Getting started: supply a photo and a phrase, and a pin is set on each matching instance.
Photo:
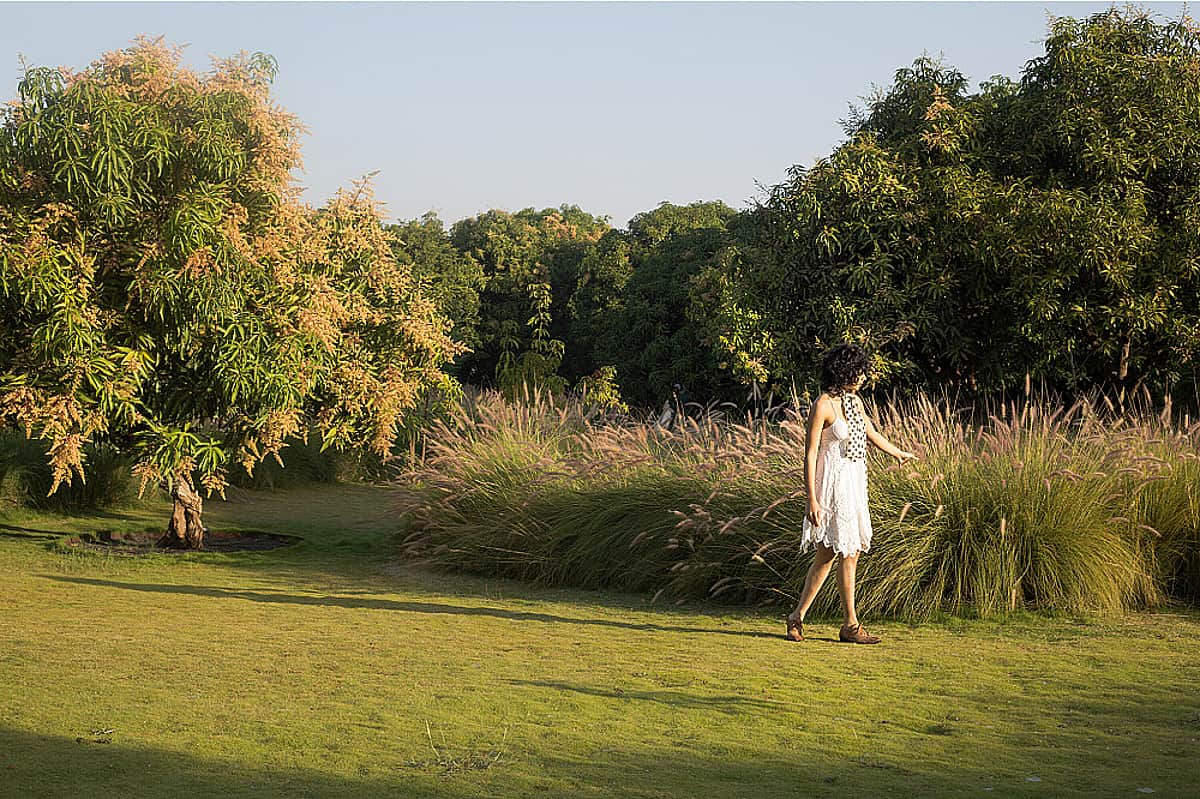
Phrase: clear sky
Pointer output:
(614, 107)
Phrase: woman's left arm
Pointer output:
(880, 440)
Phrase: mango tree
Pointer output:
(163, 289)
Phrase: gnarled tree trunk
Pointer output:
(185, 530)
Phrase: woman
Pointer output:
(835, 469)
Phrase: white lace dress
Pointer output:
(841, 485)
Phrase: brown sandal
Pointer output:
(795, 629)
(855, 634)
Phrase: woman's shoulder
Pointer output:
(822, 404)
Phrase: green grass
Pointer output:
(327, 669)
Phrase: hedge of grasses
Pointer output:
(1029, 504)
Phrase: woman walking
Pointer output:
(835, 467)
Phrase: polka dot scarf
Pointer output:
(855, 446)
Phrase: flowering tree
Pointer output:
(163, 289)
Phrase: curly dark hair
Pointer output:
(841, 365)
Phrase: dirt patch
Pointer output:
(142, 543)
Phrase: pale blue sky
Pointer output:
(614, 107)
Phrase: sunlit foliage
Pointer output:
(163, 289)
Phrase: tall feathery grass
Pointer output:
(1020, 505)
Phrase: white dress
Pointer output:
(841, 486)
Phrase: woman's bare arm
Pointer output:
(820, 413)
(880, 440)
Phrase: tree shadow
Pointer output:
(667, 763)
(21, 531)
(25, 531)
(408, 606)
(37, 766)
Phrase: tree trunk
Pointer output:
(185, 530)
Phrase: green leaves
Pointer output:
(1044, 226)
(39, 86)
(530, 264)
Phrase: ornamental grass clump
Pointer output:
(1020, 510)
(538, 490)
(1168, 504)
(1022, 505)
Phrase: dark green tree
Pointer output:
(1046, 226)
(653, 328)
(530, 262)
(449, 277)
(596, 301)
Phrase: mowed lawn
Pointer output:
(328, 669)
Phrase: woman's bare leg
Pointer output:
(813, 581)
(845, 578)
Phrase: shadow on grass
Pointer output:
(407, 606)
(91, 515)
(49, 767)
(38, 766)
(20, 531)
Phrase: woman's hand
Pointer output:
(904, 457)
(815, 514)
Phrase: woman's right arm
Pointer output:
(817, 416)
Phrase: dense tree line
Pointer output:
(556, 296)
(1047, 226)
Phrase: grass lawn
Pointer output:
(327, 669)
